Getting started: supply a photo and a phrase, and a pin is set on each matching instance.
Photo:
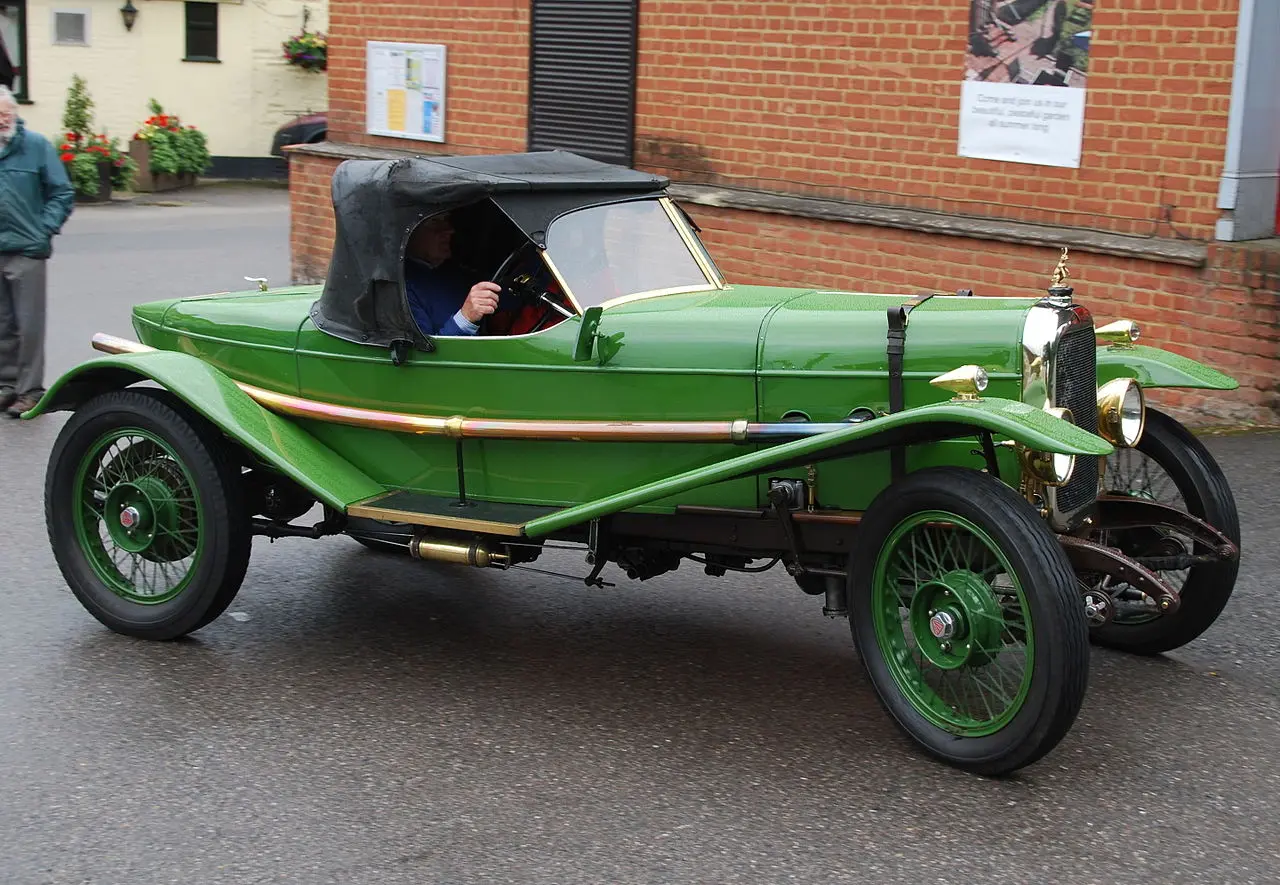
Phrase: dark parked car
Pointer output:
(307, 129)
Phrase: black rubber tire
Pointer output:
(1061, 656)
(1207, 494)
(228, 538)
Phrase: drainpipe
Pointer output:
(1251, 175)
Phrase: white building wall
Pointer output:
(238, 101)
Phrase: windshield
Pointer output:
(608, 252)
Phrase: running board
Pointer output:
(416, 508)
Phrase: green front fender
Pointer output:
(285, 446)
(1153, 367)
(1034, 428)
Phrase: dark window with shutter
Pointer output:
(582, 75)
(202, 31)
(13, 34)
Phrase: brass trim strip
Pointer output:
(483, 526)
(459, 427)
(113, 344)
(682, 228)
(564, 284)
(654, 293)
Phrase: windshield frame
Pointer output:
(713, 280)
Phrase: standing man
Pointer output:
(36, 197)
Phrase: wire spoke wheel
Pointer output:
(1136, 473)
(953, 621)
(146, 514)
(965, 609)
(139, 517)
(1169, 466)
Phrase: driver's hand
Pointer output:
(481, 301)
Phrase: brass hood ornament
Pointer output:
(1060, 273)
(1059, 292)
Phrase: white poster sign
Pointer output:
(405, 90)
(1023, 96)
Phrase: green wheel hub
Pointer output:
(953, 623)
(955, 620)
(142, 510)
(138, 516)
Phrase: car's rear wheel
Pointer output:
(965, 611)
(1171, 467)
(145, 515)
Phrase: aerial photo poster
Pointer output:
(1022, 99)
(404, 90)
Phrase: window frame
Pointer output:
(201, 27)
(22, 61)
(85, 12)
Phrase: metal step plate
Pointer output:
(415, 508)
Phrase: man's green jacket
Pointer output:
(36, 195)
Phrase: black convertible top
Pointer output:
(378, 203)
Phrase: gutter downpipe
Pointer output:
(1247, 193)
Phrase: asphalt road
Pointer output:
(360, 718)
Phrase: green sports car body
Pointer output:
(959, 475)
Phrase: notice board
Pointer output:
(405, 90)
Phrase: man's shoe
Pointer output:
(7, 397)
(24, 403)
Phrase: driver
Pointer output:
(434, 283)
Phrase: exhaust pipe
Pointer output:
(477, 553)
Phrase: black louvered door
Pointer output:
(582, 75)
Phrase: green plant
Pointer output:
(308, 50)
(77, 116)
(175, 148)
(83, 151)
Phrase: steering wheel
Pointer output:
(505, 266)
(525, 288)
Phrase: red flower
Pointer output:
(67, 158)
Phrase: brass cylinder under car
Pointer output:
(475, 553)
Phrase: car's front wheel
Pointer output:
(1169, 466)
(965, 612)
(146, 515)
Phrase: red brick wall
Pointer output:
(852, 99)
(488, 63)
(310, 217)
(862, 99)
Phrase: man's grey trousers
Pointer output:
(22, 317)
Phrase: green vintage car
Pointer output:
(974, 482)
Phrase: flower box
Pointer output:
(105, 169)
(154, 182)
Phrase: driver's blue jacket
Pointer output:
(435, 297)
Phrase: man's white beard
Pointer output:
(6, 134)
